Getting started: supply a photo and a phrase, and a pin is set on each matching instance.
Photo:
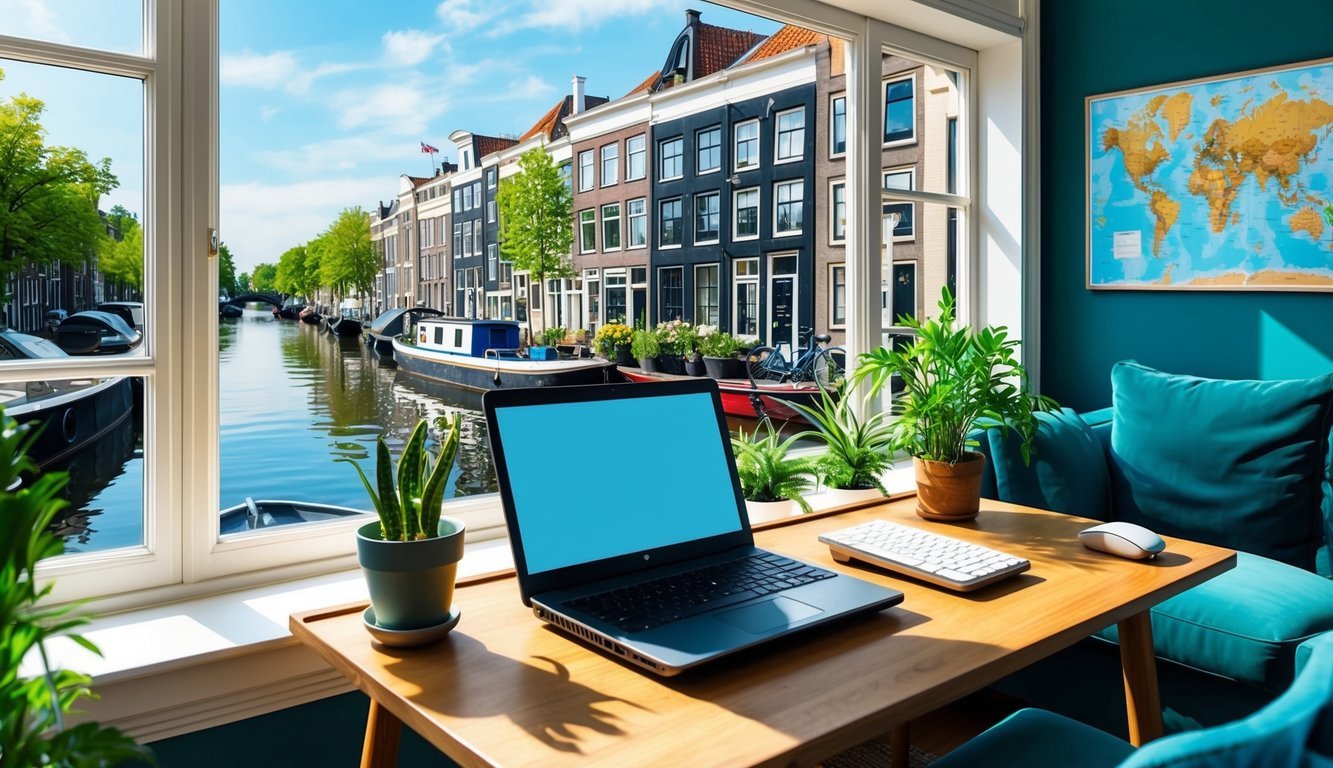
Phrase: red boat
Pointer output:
(741, 399)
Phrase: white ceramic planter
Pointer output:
(846, 497)
(763, 511)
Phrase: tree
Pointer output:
(48, 194)
(297, 273)
(346, 259)
(536, 220)
(120, 252)
(243, 282)
(226, 272)
(264, 278)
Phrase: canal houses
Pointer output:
(434, 204)
(470, 195)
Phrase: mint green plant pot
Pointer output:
(411, 582)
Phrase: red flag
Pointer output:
(427, 149)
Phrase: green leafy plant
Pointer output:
(411, 510)
(955, 380)
(859, 449)
(645, 345)
(767, 472)
(611, 336)
(676, 337)
(715, 342)
(552, 336)
(33, 731)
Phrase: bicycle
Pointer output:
(823, 365)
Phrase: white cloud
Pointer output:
(466, 15)
(401, 108)
(258, 70)
(31, 18)
(529, 87)
(409, 47)
(575, 15)
(345, 153)
(260, 221)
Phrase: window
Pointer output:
(492, 262)
(705, 217)
(670, 159)
(790, 140)
(592, 288)
(669, 234)
(899, 113)
(837, 300)
(467, 238)
(610, 164)
(788, 207)
(746, 219)
(566, 170)
(902, 178)
(636, 157)
(585, 171)
(587, 231)
(615, 295)
(671, 293)
(611, 227)
(638, 223)
(490, 211)
(708, 143)
(837, 200)
(477, 237)
(745, 297)
(838, 125)
(458, 240)
(747, 145)
(491, 176)
(467, 198)
(705, 294)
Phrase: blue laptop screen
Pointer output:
(592, 480)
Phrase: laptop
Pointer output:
(629, 530)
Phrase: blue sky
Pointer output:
(324, 105)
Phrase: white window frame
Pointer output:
(773, 276)
(661, 288)
(832, 124)
(587, 216)
(736, 282)
(736, 143)
(910, 172)
(778, 157)
(717, 293)
(884, 100)
(679, 201)
(833, 269)
(587, 182)
(777, 195)
(613, 158)
(630, 216)
(699, 170)
(620, 235)
(717, 196)
(641, 153)
(833, 186)
(735, 211)
(680, 162)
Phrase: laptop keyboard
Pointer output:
(678, 596)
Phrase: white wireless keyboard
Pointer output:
(941, 560)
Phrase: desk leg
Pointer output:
(383, 729)
(898, 740)
(1142, 699)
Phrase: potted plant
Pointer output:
(719, 350)
(613, 343)
(33, 708)
(676, 340)
(549, 338)
(955, 380)
(772, 481)
(645, 348)
(859, 449)
(410, 556)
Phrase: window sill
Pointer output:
(204, 662)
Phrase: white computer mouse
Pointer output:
(1123, 539)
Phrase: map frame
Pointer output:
(1276, 280)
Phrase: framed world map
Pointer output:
(1222, 183)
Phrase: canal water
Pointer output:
(292, 401)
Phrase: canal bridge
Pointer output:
(259, 297)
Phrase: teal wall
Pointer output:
(1090, 48)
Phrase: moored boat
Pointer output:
(252, 515)
(93, 332)
(291, 309)
(310, 314)
(395, 322)
(484, 354)
(739, 398)
(348, 320)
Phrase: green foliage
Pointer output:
(48, 194)
(264, 277)
(347, 262)
(766, 471)
(297, 273)
(955, 379)
(645, 345)
(227, 272)
(121, 258)
(715, 342)
(611, 336)
(552, 336)
(411, 510)
(536, 220)
(32, 709)
(676, 337)
(859, 450)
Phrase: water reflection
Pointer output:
(105, 491)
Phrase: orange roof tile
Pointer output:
(720, 47)
(647, 84)
(788, 38)
(551, 123)
(488, 145)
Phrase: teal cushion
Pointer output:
(1292, 732)
(1034, 737)
(1239, 464)
(1068, 469)
(1244, 624)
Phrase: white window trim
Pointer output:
(846, 127)
(680, 161)
(800, 183)
(601, 161)
(718, 287)
(717, 194)
(735, 208)
(884, 101)
(910, 170)
(834, 266)
(583, 248)
(601, 226)
(697, 147)
(647, 226)
(661, 286)
(777, 145)
(661, 219)
(736, 283)
(736, 142)
(840, 181)
(794, 342)
(587, 182)
(643, 153)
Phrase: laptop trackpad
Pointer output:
(769, 615)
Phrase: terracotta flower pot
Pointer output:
(947, 492)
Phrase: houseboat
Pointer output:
(93, 332)
(395, 322)
(485, 354)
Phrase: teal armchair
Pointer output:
(1294, 731)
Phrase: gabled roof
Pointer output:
(552, 123)
(419, 180)
(489, 145)
(788, 38)
(647, 84)
(720, 47)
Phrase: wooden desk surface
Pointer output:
(504, 689)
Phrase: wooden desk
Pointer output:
(503, 689)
